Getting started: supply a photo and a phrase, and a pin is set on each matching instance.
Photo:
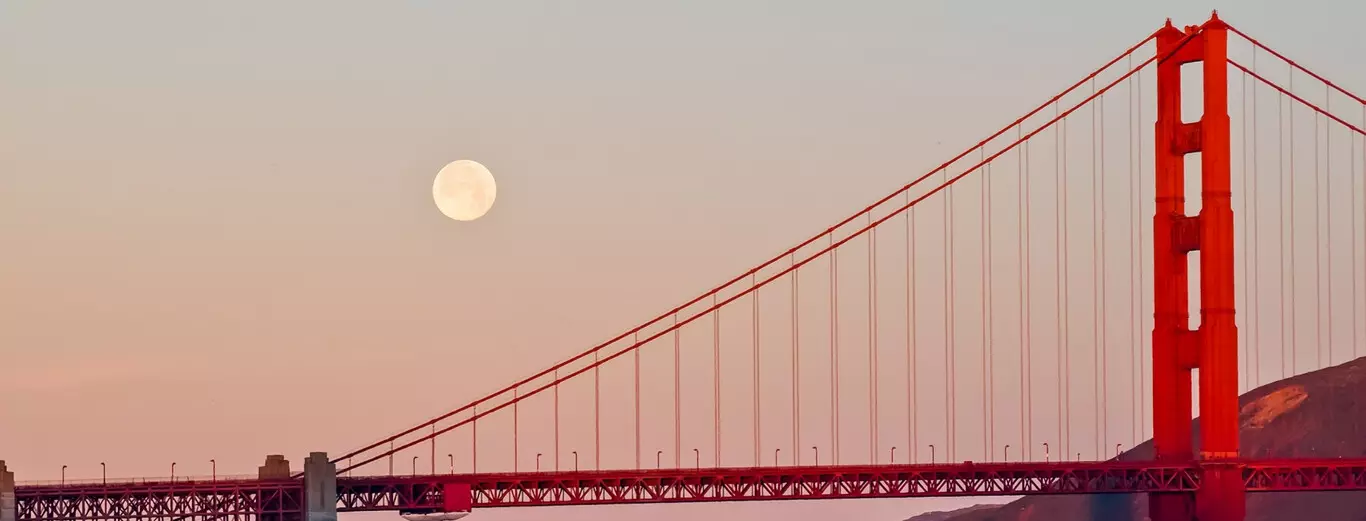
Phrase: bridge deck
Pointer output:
(244, 498)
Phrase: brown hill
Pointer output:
(951, 514)
(1318, 414)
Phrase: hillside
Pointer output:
(951, 514)
(1318, 414)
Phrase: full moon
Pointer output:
(464, 190)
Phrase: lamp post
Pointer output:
(576, 461)
(658, 453)
(817, 451)
(931, 453)
(172, 472)
(1005, 454)
(1045, 452)
(697, 457)
(214, 464)
(1117, 451)
(893, 461)
(63, 475)
(775, 456)
(452, 458)
(538, 462)
(104, 474)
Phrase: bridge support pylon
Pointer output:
(320, 488)
(1213, 347)
(8, 510)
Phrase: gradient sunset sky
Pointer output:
(217, 238)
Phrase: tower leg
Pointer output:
(1221, 495)
(277, 507)
(1171, 378)
(8, 507)
(320, 488)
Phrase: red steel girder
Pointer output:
(424, 493)
(243, 500)
(225, 500)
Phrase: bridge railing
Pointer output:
(136, 480)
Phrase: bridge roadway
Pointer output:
(283, 499)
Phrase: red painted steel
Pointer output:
(1213, 347)
(1222, 498)
(1183, 484)
(281, 499)
(1171, 379)
(230, 500)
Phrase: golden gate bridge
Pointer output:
(1013, 254)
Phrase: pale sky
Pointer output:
(217, 238)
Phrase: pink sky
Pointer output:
(219, 242)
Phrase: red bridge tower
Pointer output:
(1213, 347)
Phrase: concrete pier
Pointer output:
(8, 510)
(276, 467)
(320, 488)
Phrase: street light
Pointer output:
(172, 472)
(658, 453)
(1045, 452)
(63, 474)
(893, 455)
(1005, 454)
(931, 453)
(698, 457)
(452, 458)
(775, 456)
(576, 461)
(816, 450)
(1117, 446)
(215, 469)
(104, 474)
(414, 465)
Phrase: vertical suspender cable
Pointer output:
(556, 375)
(754, 297)
(1255, 312)
(716, 379)
(1318, 257)
(912, 409)
(1098, 281)
(1134, 388)
(1142, 276)
(796, 369)
(1281, 202)
(635, 337)
(678, 400)
(1245, 328)
(1026, 358)
(872, 343)
(949, 380)
(834, 345)
(1328, 215)
(988, 389)
(1064, 351)
(1294, 352)
(1057, 264)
